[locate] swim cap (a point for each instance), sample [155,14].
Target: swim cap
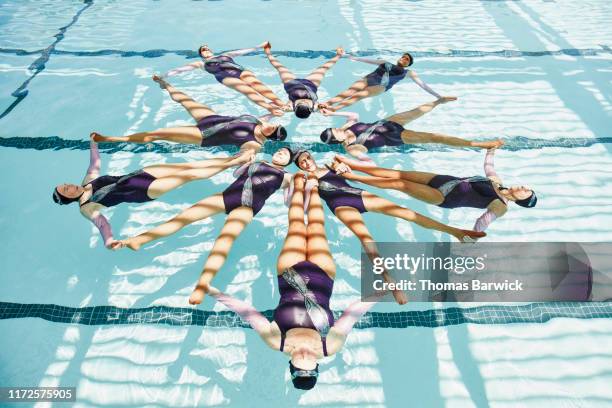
[302,110]
[297,155]
[411,57]
[61,200]
[303,379]
[528,202]
[291,154]
[279,134]
[327,137]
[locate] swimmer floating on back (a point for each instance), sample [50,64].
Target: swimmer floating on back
[241,201]
[98,192]
[246,132]
[235,76]
[358,137]
[380,80]
[303,325]
[302,92]
[348,203]
[448,191]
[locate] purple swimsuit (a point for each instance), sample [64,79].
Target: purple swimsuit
[301,89]
[475,192]
[223,67]
[387,75]
[253,187]
[336,192]
[305,290]
[112,190]
[378,134]
[220,130]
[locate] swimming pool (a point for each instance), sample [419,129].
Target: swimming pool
[535,72]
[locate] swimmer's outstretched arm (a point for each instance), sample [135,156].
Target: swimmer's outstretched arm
[489,168]
[343,326]
[413,75]
[184,68]
[497,208]
[248,313]
[102,224]
[351,117]
[494,211]
[366,60]
[237,53]
[93,171]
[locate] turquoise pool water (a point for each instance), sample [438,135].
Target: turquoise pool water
[537,73]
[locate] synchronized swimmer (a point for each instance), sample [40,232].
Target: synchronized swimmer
[303,324]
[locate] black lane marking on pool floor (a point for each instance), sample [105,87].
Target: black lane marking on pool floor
[57,143]
[312,54]
[40,63]
[182,316]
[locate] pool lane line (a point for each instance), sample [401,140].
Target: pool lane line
[183,316]
[517,143]
[40,63]
[312,54]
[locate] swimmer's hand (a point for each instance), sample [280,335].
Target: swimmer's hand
[242,158]
[489,144]
[323,105]
[340,51]
[341,168]
[267,47]
[264,45]
[325,111]
[115,244]
[446,99]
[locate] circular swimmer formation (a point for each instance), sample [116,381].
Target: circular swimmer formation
[303,325]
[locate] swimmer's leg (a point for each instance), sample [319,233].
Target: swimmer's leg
[381,205]
[285,74]
[202,209]
[354,222]
[294,247]
[248,91]
[260,87]
[317,247]
[414,137]
[183,134]
[357,86]
[235,223]
[404,117]
[357,96]
[197,110]
[171,176]
[318,74]
[419,191]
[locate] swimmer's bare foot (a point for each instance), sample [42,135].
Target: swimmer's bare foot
[96,137]
[469,234]
[197,296]
[133,243]
[490,144]
[160,81]
[399,295]
[274,110]
[446,99]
